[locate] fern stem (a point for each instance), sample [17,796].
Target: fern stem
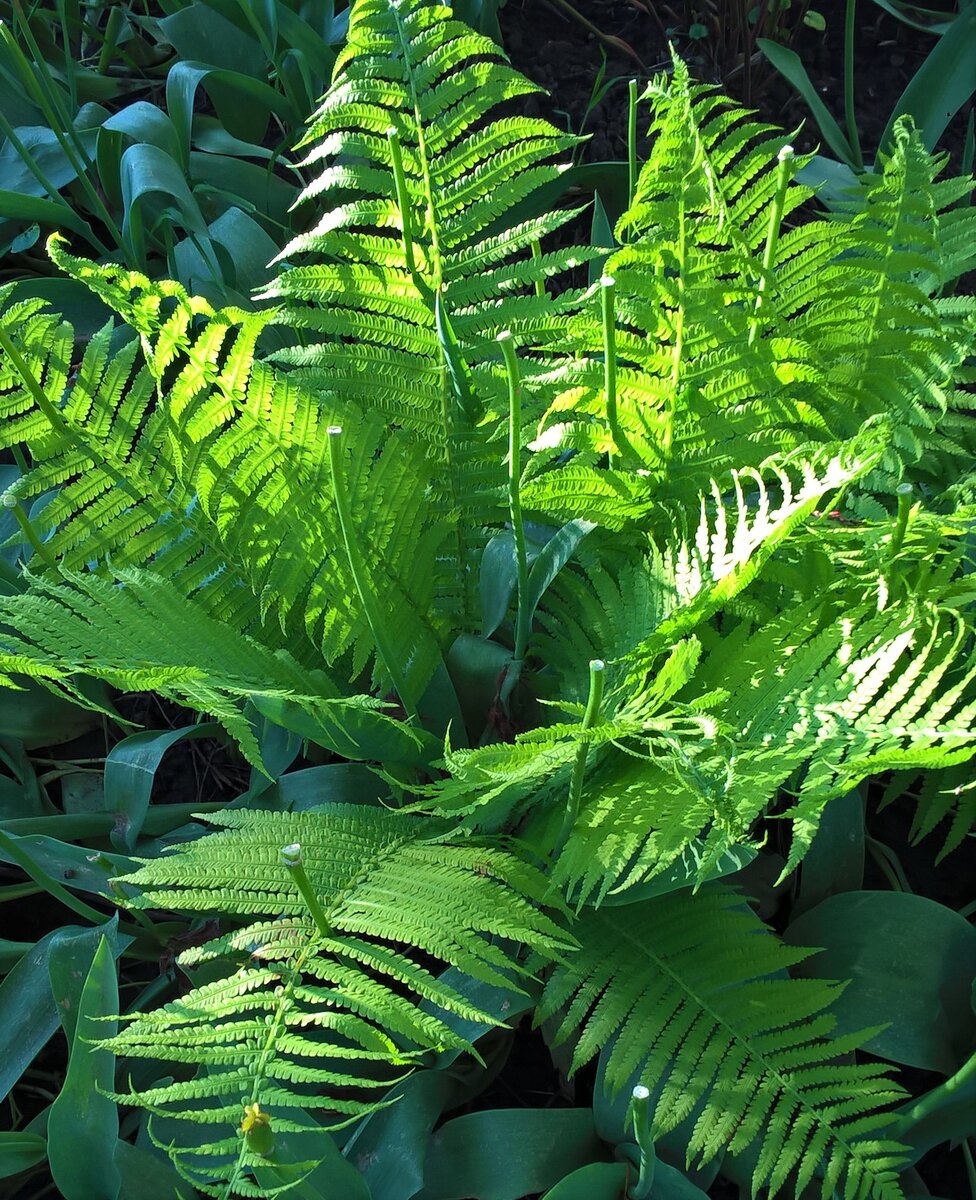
[30,533]
[631,141]
[403,203]
[291,857]
[904,491]
[540,283]
[679,329]
[507,343]
[784,172]
[591,716]
[621,444]
[360,575]
[639,1105]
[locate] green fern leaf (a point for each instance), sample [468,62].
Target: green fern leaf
[689,995]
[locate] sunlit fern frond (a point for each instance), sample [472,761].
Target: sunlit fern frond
[689,994]
[138,633]
[813,702]
[324,1009]
[420,164]
[208,466]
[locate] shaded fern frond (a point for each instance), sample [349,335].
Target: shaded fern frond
[688,993]
[321,1014]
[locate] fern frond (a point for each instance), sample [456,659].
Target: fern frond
[688,994]
[400,288]
[136,632]
[319,1016]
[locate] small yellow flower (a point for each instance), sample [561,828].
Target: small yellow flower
[256,1128]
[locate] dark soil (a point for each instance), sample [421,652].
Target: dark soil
[559,53]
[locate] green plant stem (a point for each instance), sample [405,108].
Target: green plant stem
[30,533]
[850,24]
[631,141]
[360,575]
[639,1104]
[403,203]
[507,343]
[934,1100]
[591,716]
[679,330]
[967,1155]
[904,492]
[540,284]
[784,171]
[291,857]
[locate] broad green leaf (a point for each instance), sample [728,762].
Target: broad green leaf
[19,1151]
[910,961]
[789,64]
[941,85]
[390,1147]
[145,1174]
[243,103]
[335,1178]
[200,32]
[595,1181]
[835,861]
[551,559]
[145,122]
[28,1013]
[83,1126]
[24,206]
[130,770]
[505,1154]
[350,730]
[36,717]
[248,247]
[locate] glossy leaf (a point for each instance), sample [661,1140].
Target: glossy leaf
[83,1126]
[130,770]
[505,1154]
[28,1013]
[941,85]
[910,962]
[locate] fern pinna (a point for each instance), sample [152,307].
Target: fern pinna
[302,517]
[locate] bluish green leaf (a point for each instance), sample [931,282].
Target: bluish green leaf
[788,63]
[505,1154]
[130,770]
[390,1147]
[835,861]
[910,961]
[83,1126]
[595,1181]
[551,559]
[19,1151]
[941,85]
[28,1013]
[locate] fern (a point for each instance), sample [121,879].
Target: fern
[286,515]
[316,1007]
[724,1035]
